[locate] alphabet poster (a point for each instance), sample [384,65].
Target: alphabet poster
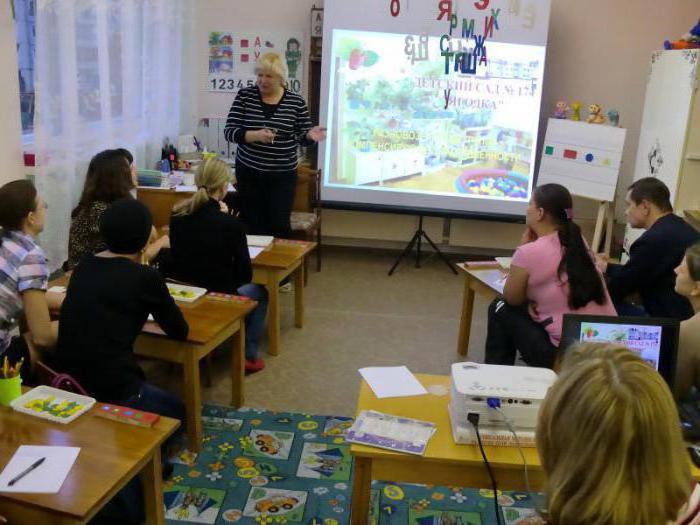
[232,58]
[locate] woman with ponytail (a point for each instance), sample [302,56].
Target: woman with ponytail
[209,249]
[552,273]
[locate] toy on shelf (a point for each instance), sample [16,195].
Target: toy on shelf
[614,117]
[688,41]
[595,114]
[576,109]
[562,110]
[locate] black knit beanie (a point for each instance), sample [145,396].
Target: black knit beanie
[126,226]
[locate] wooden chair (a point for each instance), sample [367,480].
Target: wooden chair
[306,211]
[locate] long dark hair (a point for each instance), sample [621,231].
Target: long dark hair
[17,200]
[585,283]
[108,179]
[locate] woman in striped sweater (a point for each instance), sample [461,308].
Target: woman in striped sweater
[268,123]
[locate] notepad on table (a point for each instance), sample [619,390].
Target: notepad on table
[392,381]
[259,240]
[47,478]
[396,433]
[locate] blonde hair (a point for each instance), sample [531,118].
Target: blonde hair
[272,63]
[610,442]
[212,174]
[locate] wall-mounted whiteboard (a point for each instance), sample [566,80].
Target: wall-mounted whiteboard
[583,157]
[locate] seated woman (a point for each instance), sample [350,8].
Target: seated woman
[209,249]
[109,298]
[688,285]
[109,177]
[24,275]
[552,273]
[610,443]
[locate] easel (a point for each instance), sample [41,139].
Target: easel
[605,219]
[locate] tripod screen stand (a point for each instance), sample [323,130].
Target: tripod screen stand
[416,241]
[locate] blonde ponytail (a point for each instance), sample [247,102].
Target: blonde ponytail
[212,175]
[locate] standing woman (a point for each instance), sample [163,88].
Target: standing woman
[552,273]
[268,123]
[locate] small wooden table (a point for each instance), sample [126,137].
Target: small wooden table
[487,280]
[160,202]
[444,463]
[270,267]
[211,323]
[111,453]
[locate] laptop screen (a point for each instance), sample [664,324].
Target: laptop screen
[655,340]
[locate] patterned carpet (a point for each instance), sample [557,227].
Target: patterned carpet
[261,467]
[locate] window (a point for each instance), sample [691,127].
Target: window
[25,12]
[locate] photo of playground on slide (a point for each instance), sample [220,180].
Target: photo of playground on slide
[398,122]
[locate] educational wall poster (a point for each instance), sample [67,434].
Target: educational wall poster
[583,157]
[232,58]
[641,339]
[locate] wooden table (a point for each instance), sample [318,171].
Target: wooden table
[270,267]
[211,323]
[160,202]
[444,463]
[111,454]
[486,280]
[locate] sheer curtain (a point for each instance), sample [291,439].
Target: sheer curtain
[108,74]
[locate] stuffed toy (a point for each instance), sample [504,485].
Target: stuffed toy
[690,40]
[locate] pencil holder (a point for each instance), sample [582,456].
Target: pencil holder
[10,389]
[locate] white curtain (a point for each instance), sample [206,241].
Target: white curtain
[108,74]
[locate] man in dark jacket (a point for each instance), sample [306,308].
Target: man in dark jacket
[652,257]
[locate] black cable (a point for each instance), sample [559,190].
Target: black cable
[474,420]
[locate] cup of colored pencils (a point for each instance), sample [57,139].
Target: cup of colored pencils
[10,381]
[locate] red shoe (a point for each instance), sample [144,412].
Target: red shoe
[254,365]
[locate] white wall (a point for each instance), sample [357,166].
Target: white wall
[10,124]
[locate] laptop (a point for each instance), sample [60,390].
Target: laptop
[654,339]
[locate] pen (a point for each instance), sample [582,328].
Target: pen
[26,471]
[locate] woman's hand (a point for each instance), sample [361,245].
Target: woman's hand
[223,207]
[527,236]
[266,136]
[316,134]
[601,262]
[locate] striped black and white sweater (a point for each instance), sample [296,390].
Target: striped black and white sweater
[290,120]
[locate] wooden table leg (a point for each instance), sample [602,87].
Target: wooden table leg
[299,296]
[152,483]
[465,322]
[273,314]
[193,401]
[361,486]
[238,367]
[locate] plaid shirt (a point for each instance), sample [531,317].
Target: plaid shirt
[22,267]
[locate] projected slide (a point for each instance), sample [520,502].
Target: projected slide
[644,340]
[400,125]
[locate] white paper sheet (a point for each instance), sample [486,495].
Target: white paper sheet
[259,240]
[254,251]
[392,381]
[47,478]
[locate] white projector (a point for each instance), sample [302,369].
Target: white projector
[518,390]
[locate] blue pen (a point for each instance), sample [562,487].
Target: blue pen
[26,471]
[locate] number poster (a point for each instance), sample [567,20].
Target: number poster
[232,58]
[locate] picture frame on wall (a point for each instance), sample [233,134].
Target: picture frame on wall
[317,22]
